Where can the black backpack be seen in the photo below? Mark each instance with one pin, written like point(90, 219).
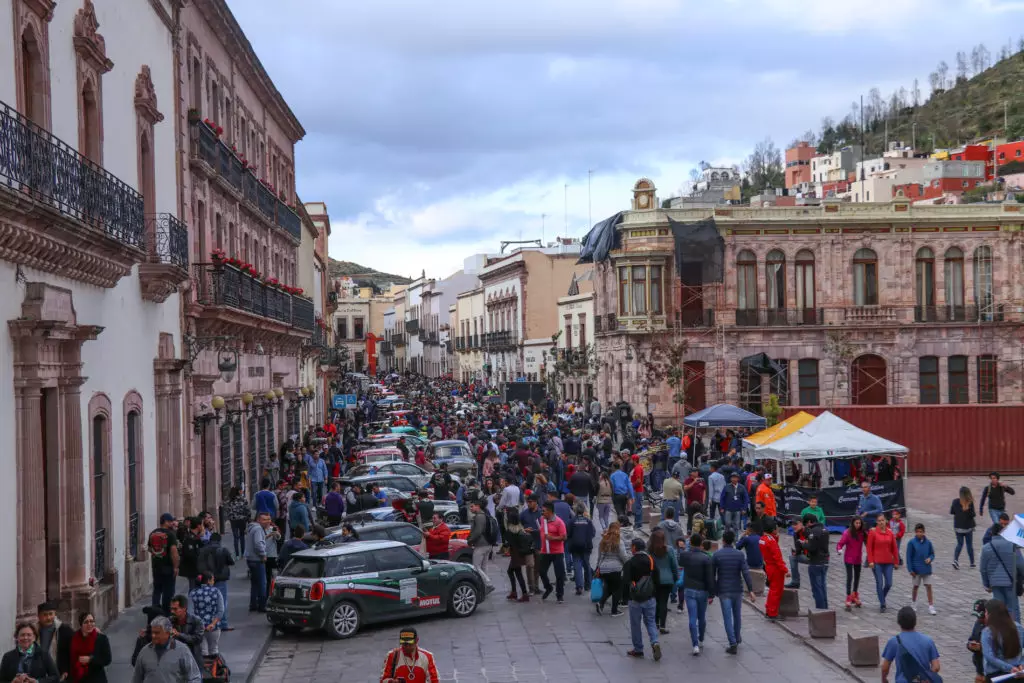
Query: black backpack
point(642, 589)
point(491, 529)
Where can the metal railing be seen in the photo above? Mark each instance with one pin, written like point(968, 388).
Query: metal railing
point(692, 318)
point(398, 339)
point(170, 240)
point(412, 326)
point(505, 339)
point(992, 313)
point(289, 221)
point(34, 161)
point(99, 551)
point(224, 285)
point(779, 317)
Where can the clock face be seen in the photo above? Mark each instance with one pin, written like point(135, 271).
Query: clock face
point(643, 201)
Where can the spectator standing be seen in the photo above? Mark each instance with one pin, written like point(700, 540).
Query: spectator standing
point(920, 556)
point(611, 557)
point(698, 589)
point(766, 496)
point(914, 653)
point(334, 505)
point(868, 505)
point(995, 494)
point(672, 495)
point(89, 653)
point(734, 502)
point(165, 660)
point(208, 606)
point(852, 544)
point(552, 552)
point(640, 577)
point(882, 557)
point(750, 544)
point(256, 559)
point(696, 495)
point(668, 573)
point(164, 559)
point(1001, 568)
point(962, 509)
point(187, 628)
point(775, 569)
point(817, 560)
point(716, 487)
point(636, 478)
point(731, 574)
point(27, 658)
point(521, 554)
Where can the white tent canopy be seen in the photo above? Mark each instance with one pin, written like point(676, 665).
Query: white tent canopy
point(828, 437)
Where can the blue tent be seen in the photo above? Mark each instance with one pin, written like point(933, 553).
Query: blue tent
point(724, 415)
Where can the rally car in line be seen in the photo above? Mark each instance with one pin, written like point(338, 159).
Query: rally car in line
point(341, 588)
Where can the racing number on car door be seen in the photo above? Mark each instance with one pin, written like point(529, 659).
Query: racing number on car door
point(399, 569)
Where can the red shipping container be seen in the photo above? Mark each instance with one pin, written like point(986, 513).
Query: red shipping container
point(944, 439)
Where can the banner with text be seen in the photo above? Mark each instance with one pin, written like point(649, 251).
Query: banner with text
point(840, 503)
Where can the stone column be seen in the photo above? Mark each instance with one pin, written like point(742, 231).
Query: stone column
point(31, 500)
point(74, 576)
point(176, 450)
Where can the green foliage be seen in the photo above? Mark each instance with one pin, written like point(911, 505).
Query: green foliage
point(772, 410)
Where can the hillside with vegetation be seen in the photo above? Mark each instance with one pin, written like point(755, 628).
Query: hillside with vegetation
point(337, 269)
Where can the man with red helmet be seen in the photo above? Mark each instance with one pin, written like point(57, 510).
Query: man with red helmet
point(408, 662)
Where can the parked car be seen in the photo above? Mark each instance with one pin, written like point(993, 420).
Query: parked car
point(340, 588)
point(449, 513)
point(420, 476)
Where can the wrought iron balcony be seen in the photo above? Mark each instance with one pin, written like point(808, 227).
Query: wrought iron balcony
point(385, 348)
point(412, 326)
point(398, 339)
point(778, 317)
point(497, 341)
point(226, 285)
point(170, 240)
point(693, 318)
point(991, 313)
point(45, 169)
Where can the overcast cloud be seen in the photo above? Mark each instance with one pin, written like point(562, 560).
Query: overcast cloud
point(437, 129)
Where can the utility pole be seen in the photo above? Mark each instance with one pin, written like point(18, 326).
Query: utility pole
point(913, 136)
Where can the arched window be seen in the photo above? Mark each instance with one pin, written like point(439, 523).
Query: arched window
point(91, 142)
point(100, 457)
point(805, 298)
point(133, 464)
point(984, 293)
point(954, 283)
point(746, 281)
point(775, 280)
point(865, 278)
point(924, 285)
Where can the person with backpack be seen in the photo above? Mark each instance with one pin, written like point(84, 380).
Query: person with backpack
point(481, 537)
point(698, 588)
point(915, 654)
point(640, 581)
point(581, 546)
point(520, 546)
point(552, 552)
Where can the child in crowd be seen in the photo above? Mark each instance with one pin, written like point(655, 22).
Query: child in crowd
point(899, 530)
point(749, 543)
point(974, 642)
point(920, 556)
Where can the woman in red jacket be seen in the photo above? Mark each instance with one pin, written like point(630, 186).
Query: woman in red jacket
point(882, 557)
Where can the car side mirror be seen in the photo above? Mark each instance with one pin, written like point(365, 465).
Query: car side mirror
point(426, 565)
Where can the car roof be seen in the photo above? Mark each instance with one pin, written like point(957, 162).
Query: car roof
point(387, 450)
point(349, 548)
point(451, 442)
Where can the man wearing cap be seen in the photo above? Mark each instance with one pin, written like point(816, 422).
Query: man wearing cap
point(408, 662)
point(734, 502)
point(163, 553)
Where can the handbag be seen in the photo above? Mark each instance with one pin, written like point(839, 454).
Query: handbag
point(1018, 583)
point(596, 589)
point(913, 669)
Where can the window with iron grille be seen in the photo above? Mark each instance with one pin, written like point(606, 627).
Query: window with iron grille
point(958, 392)
point(99, 498)
point(133, 484)
point(238, 454)
point(225, 458)
point(988, 380)
point(807, 369)
point(928, 378)
point(254, 479)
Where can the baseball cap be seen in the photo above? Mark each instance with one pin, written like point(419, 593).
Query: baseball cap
point(734, 474)
point(166, 517)
point(767, 476)
point(407, 636)
point(636, 458)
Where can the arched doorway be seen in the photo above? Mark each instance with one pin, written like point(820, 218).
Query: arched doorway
point(869, 386)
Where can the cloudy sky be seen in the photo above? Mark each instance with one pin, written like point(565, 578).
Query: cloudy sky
point(437, 129)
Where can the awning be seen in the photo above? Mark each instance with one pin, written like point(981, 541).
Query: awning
point(828, 437)
point(724, 415)
point(779, 430)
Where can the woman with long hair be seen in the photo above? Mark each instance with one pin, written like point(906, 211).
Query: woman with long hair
point(611, 557)
point(603, 500)
point(882, 557)
point(852, 544)
point(1001, 641)
point(962, 509)
point(90, 652)
point(521, 554)
point(668, 573)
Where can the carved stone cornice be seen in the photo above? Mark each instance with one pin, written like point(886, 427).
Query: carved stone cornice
point(202, 385)
point(145, 97)
point(89, 44)
point(160, 280)
point(41, 8)
point(35, 234)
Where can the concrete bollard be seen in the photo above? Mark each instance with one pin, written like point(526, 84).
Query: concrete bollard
point(790, 606)
point(862, 648)
point(821, 623)
point(758, 580)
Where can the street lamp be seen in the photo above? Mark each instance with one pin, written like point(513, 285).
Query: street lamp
point(199, 422)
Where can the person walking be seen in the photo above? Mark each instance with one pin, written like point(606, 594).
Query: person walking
point(530, 517)
point(521, 551)
point(673, 530)
point(995, 494)
point(603, 499)
point(188, 628)
point(216, 561)
point(816, 546)
point(408, 662)
point(334, 505)
point(774, 568)
point(438, 536)
point(581, 547)
point(731, 573)
point(238, 516)
point(54, 636)
point(920, 556)
point(672, 496)
point(696, 494)
point(552, 552)
point(611, 556)
point(716, 487)
point(636, 478)
point(869, 505)
point(298, 512)
point(478, 536)
point(640, 578)
point(1001, 568)
point(256, 560)
point(734, 502)
point(165, 660)
point(27, 661)
point(622, 490)
point(852, 545)
point(698, 589)
point(668, 573)
point(163, 552)
point(89, 653)
point(914, 653)
point(882, 557)
point(1002, 641)
point(964, 523)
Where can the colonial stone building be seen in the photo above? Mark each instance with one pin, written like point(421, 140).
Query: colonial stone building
point(837, 304)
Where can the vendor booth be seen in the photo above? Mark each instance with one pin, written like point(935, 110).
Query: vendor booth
point(827, 457)
point(726, 416)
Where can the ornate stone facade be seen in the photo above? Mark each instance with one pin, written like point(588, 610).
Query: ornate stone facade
point(848, 303)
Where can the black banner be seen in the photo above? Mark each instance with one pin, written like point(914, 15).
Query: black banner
point(840, 503)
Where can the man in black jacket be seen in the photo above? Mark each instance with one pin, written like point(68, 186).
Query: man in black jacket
point(187, 627)
point(995, 493)
point(639, 584)
point(216, 560)
point(54, 636)
point(698, 589)
point(815, 546)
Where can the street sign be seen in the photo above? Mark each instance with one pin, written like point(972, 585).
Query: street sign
point(342, 401)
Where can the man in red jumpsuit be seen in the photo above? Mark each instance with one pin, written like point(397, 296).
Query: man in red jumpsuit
point(775, 568)
point(408, 662)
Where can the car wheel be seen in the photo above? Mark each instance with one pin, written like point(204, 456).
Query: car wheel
point(463, 600)
point(452, 518)
point(343, 621)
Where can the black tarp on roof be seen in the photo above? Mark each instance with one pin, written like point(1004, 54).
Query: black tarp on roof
point(601, 239)
point(763, 364)
point(699, 245)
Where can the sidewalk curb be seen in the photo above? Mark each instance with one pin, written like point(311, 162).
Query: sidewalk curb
point(258, 659)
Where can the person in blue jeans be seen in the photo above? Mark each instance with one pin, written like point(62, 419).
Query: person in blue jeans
point(256, 559)
point(814, 547)
point(636, 573)
point(698, 589)
point(1001, 567)
point(731, 573)
point(677, 587)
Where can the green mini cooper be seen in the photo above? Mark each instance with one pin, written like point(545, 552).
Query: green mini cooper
point(340, 588)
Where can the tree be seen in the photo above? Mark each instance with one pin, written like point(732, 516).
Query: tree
point(772, 410)
point(876, 104)
point(935, 81)
point(976, 66)
point(841, 351)
point(657, 361)
point(961, 65)
point(943, 71)
point(984, 56)
point(764, 166)
point(915, 94)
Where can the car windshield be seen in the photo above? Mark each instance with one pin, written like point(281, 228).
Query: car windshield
point(304, 568)
point(449, 452)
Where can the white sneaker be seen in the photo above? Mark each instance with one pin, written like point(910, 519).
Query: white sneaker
point(696, 650)
point(913, 605)
point(931, 609)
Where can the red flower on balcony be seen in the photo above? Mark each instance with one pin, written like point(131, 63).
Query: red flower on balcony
point(218, 256)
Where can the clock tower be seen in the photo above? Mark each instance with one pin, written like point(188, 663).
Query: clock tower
point(644, 195)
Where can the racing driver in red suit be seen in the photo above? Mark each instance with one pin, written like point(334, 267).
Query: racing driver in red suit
point(409, 663)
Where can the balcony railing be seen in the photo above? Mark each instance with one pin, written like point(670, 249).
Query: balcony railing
point(871, 314)
point(171, 240)
point(412, 326)
point(385, 348)
point(226, 164)
point(398, 339)
point(224, 285)
point(505, 339)
point(45, 168)
point(692, 318)
point(779, 317)
point(992, 313)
